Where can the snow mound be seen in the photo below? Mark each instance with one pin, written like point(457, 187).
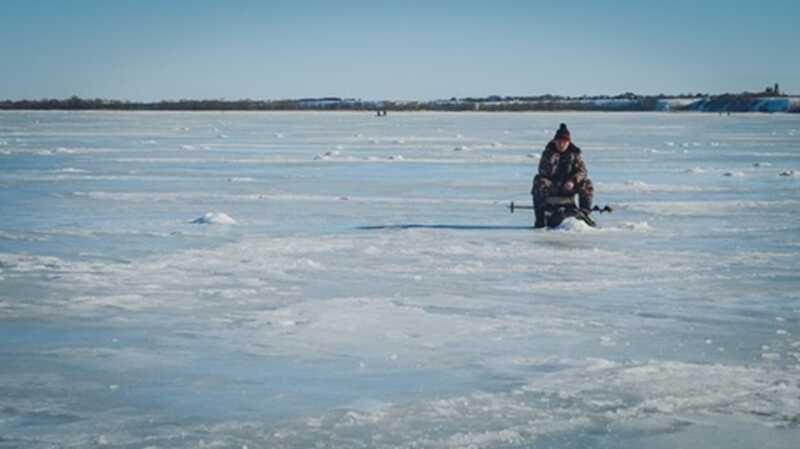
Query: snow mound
point(696, 170)
point(215, 218)
point(188, 147)
point(573, 225)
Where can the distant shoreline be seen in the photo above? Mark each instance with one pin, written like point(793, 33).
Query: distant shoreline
point(766, 102)
point(418, 111)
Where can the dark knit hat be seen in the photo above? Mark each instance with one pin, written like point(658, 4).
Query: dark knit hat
point(562, 133)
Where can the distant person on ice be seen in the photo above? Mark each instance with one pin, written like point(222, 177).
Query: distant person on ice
point(562, 172)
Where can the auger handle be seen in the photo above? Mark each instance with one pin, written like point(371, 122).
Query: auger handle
point(513, 206)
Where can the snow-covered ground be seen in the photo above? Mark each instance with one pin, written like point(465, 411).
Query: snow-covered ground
point(342, 280)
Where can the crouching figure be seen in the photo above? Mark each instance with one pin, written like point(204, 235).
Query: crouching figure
point(562, 174)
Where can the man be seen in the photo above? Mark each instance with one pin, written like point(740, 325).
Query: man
point(562, 172)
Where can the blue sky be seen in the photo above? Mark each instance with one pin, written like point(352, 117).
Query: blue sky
point(148, 50)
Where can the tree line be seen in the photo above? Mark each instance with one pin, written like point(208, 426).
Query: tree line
point(623, 102)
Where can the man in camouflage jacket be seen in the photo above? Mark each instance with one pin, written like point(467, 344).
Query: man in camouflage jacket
point(562, 172)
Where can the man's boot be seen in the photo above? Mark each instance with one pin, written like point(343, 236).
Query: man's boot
point(539, 215)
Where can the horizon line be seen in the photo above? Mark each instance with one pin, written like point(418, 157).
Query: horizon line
point(493, 97)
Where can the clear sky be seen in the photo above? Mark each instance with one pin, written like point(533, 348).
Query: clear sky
point(403, 49)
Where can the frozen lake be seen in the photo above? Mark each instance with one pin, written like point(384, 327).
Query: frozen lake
point(374, 290)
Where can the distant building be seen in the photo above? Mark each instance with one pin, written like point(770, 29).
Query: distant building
point(775, 90)
point(326, 102)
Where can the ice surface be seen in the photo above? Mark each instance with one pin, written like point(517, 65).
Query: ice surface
point(381, 294)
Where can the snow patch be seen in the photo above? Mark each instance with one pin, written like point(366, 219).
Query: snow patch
point(643, 187)
point(720, 207)
point(657, 151)
point(327, 155)
point(71, 170)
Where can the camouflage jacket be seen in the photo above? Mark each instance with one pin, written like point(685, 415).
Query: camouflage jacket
point(562, 167)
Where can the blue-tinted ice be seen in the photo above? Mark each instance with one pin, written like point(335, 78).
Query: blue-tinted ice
point(341, 280)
